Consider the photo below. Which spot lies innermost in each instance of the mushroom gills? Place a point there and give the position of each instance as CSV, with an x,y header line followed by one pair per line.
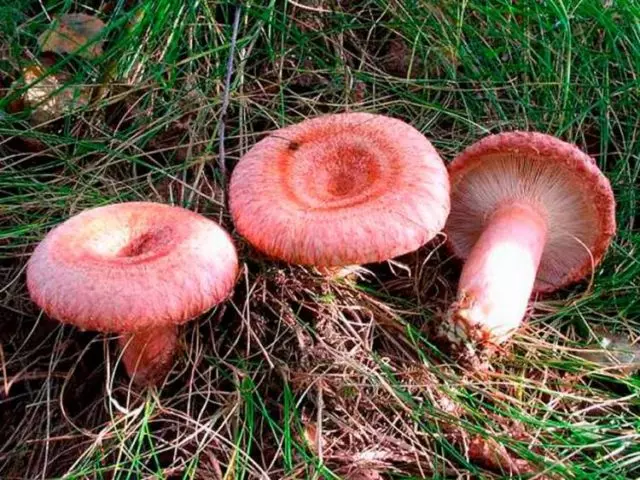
x,y
530,213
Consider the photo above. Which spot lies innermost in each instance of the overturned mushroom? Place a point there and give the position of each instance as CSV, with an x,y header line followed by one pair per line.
x,y
137,268
340,190
529,213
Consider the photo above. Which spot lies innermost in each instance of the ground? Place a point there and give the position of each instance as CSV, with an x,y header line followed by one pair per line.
x,y
297,376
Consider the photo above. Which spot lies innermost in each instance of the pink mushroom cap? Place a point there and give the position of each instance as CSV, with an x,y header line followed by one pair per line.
x,y
339,190
560,181
132,266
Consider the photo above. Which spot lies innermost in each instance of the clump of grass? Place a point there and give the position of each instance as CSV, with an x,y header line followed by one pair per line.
x,y
298,377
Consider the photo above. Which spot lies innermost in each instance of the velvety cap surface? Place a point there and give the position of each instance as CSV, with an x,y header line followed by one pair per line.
x,y
132,266
571,192
340,189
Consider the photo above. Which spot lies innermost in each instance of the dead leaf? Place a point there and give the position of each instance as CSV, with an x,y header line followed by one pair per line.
x,y
50,98
310,434
71,32
490,454
615,352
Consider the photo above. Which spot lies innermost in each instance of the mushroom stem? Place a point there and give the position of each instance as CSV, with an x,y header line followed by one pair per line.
x,y
148,354
498,277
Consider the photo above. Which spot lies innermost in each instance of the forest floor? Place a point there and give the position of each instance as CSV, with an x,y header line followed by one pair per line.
x,y
297,376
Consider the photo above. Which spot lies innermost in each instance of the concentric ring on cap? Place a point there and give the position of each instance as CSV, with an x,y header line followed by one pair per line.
x,y
340,189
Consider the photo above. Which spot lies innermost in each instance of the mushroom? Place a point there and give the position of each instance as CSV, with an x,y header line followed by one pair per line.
x,y
138,269
529,213
340,190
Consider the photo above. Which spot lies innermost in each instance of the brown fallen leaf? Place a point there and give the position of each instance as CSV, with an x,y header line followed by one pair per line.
x,y
310,435
488,453
49,98
69,33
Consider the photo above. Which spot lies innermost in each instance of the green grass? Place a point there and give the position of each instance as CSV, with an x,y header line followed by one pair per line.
x,y
292,355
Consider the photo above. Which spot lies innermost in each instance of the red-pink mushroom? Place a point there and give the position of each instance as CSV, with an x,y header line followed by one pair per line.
x,y
529,213
138,269
339,190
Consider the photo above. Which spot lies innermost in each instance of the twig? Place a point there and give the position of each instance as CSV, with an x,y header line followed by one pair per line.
x,y
309,8
227,88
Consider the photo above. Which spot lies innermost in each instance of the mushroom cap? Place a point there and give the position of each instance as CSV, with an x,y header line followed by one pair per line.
x,y
132,266
563,182
340,189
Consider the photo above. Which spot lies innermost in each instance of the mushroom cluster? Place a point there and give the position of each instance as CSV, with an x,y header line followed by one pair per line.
x,y
528,212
